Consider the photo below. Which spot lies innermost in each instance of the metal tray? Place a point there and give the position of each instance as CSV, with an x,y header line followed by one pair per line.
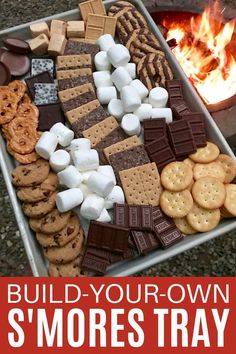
x,y
33,250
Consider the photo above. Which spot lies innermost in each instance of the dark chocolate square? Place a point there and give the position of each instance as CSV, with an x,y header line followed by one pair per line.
x,y
66,84
50,114
43,78
76,47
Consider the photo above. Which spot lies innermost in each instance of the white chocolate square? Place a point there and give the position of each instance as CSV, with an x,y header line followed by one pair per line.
x,y
58,27
57,44
39,28
39,45
75,29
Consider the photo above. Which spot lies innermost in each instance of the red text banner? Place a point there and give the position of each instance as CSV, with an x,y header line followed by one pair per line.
x,y
117,315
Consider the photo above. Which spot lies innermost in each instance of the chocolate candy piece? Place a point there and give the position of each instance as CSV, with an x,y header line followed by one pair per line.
x,y
145,241
43,78
66,84
108,237
135,217
165,229
180,109
50,114
175,90
197,125
16,45
123,160
76,47
160,152
18,64
115,136
95,261
45,94
40,65
78,101
5,75
94,117
181,138
172,43
154,129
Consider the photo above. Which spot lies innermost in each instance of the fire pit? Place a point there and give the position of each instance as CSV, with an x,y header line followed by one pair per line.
x,y
204,43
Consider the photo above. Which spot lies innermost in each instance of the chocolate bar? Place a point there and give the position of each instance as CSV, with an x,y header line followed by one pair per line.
x,y
50,114
78,101
95,261
145,241
181,138
175,90
165,229
197,125
108,237
134,217
133,157
154,129
66,84
94,117
180,109
77,47
160,152
115,136
43,78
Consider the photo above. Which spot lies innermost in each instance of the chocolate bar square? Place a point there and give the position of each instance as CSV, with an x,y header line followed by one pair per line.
x,y
50,114
43,78
154,129
181,138
160,152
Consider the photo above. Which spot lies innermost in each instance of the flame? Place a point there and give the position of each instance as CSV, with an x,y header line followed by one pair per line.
x,y
204,53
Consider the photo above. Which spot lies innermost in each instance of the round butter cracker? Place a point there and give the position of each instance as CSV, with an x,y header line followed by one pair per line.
x,y
206,154
176,176
176,204
209,192
203,220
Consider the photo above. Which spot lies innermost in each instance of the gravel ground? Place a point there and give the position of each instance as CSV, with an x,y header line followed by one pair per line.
x,y
214,258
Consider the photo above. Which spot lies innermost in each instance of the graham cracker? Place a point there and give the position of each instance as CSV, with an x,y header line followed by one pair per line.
x,y
100,130
70,94
67,74
97,25
82,111
121,146
74,61
141,184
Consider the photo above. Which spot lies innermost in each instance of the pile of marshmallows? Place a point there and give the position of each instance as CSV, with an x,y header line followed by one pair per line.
x,y
135,102
77,167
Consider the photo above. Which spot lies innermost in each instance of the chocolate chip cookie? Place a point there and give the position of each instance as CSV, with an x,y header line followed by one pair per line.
x,y
71,269
51,223
67,253
62,237
30,175
41,208
36,193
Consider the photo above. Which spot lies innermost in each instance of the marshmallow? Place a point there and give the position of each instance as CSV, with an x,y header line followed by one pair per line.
x,y
92,207
102,79
158,97
104,216
106,94
108,171
105,42
69,199
59,160
130,98
121,78
80,144
86,175
101,61
163,113
85,160
146,100
144,111
131,68
84,189
70,177
140,87
100,184
46,145
118,55
116,109
116,196
64,134
131,124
